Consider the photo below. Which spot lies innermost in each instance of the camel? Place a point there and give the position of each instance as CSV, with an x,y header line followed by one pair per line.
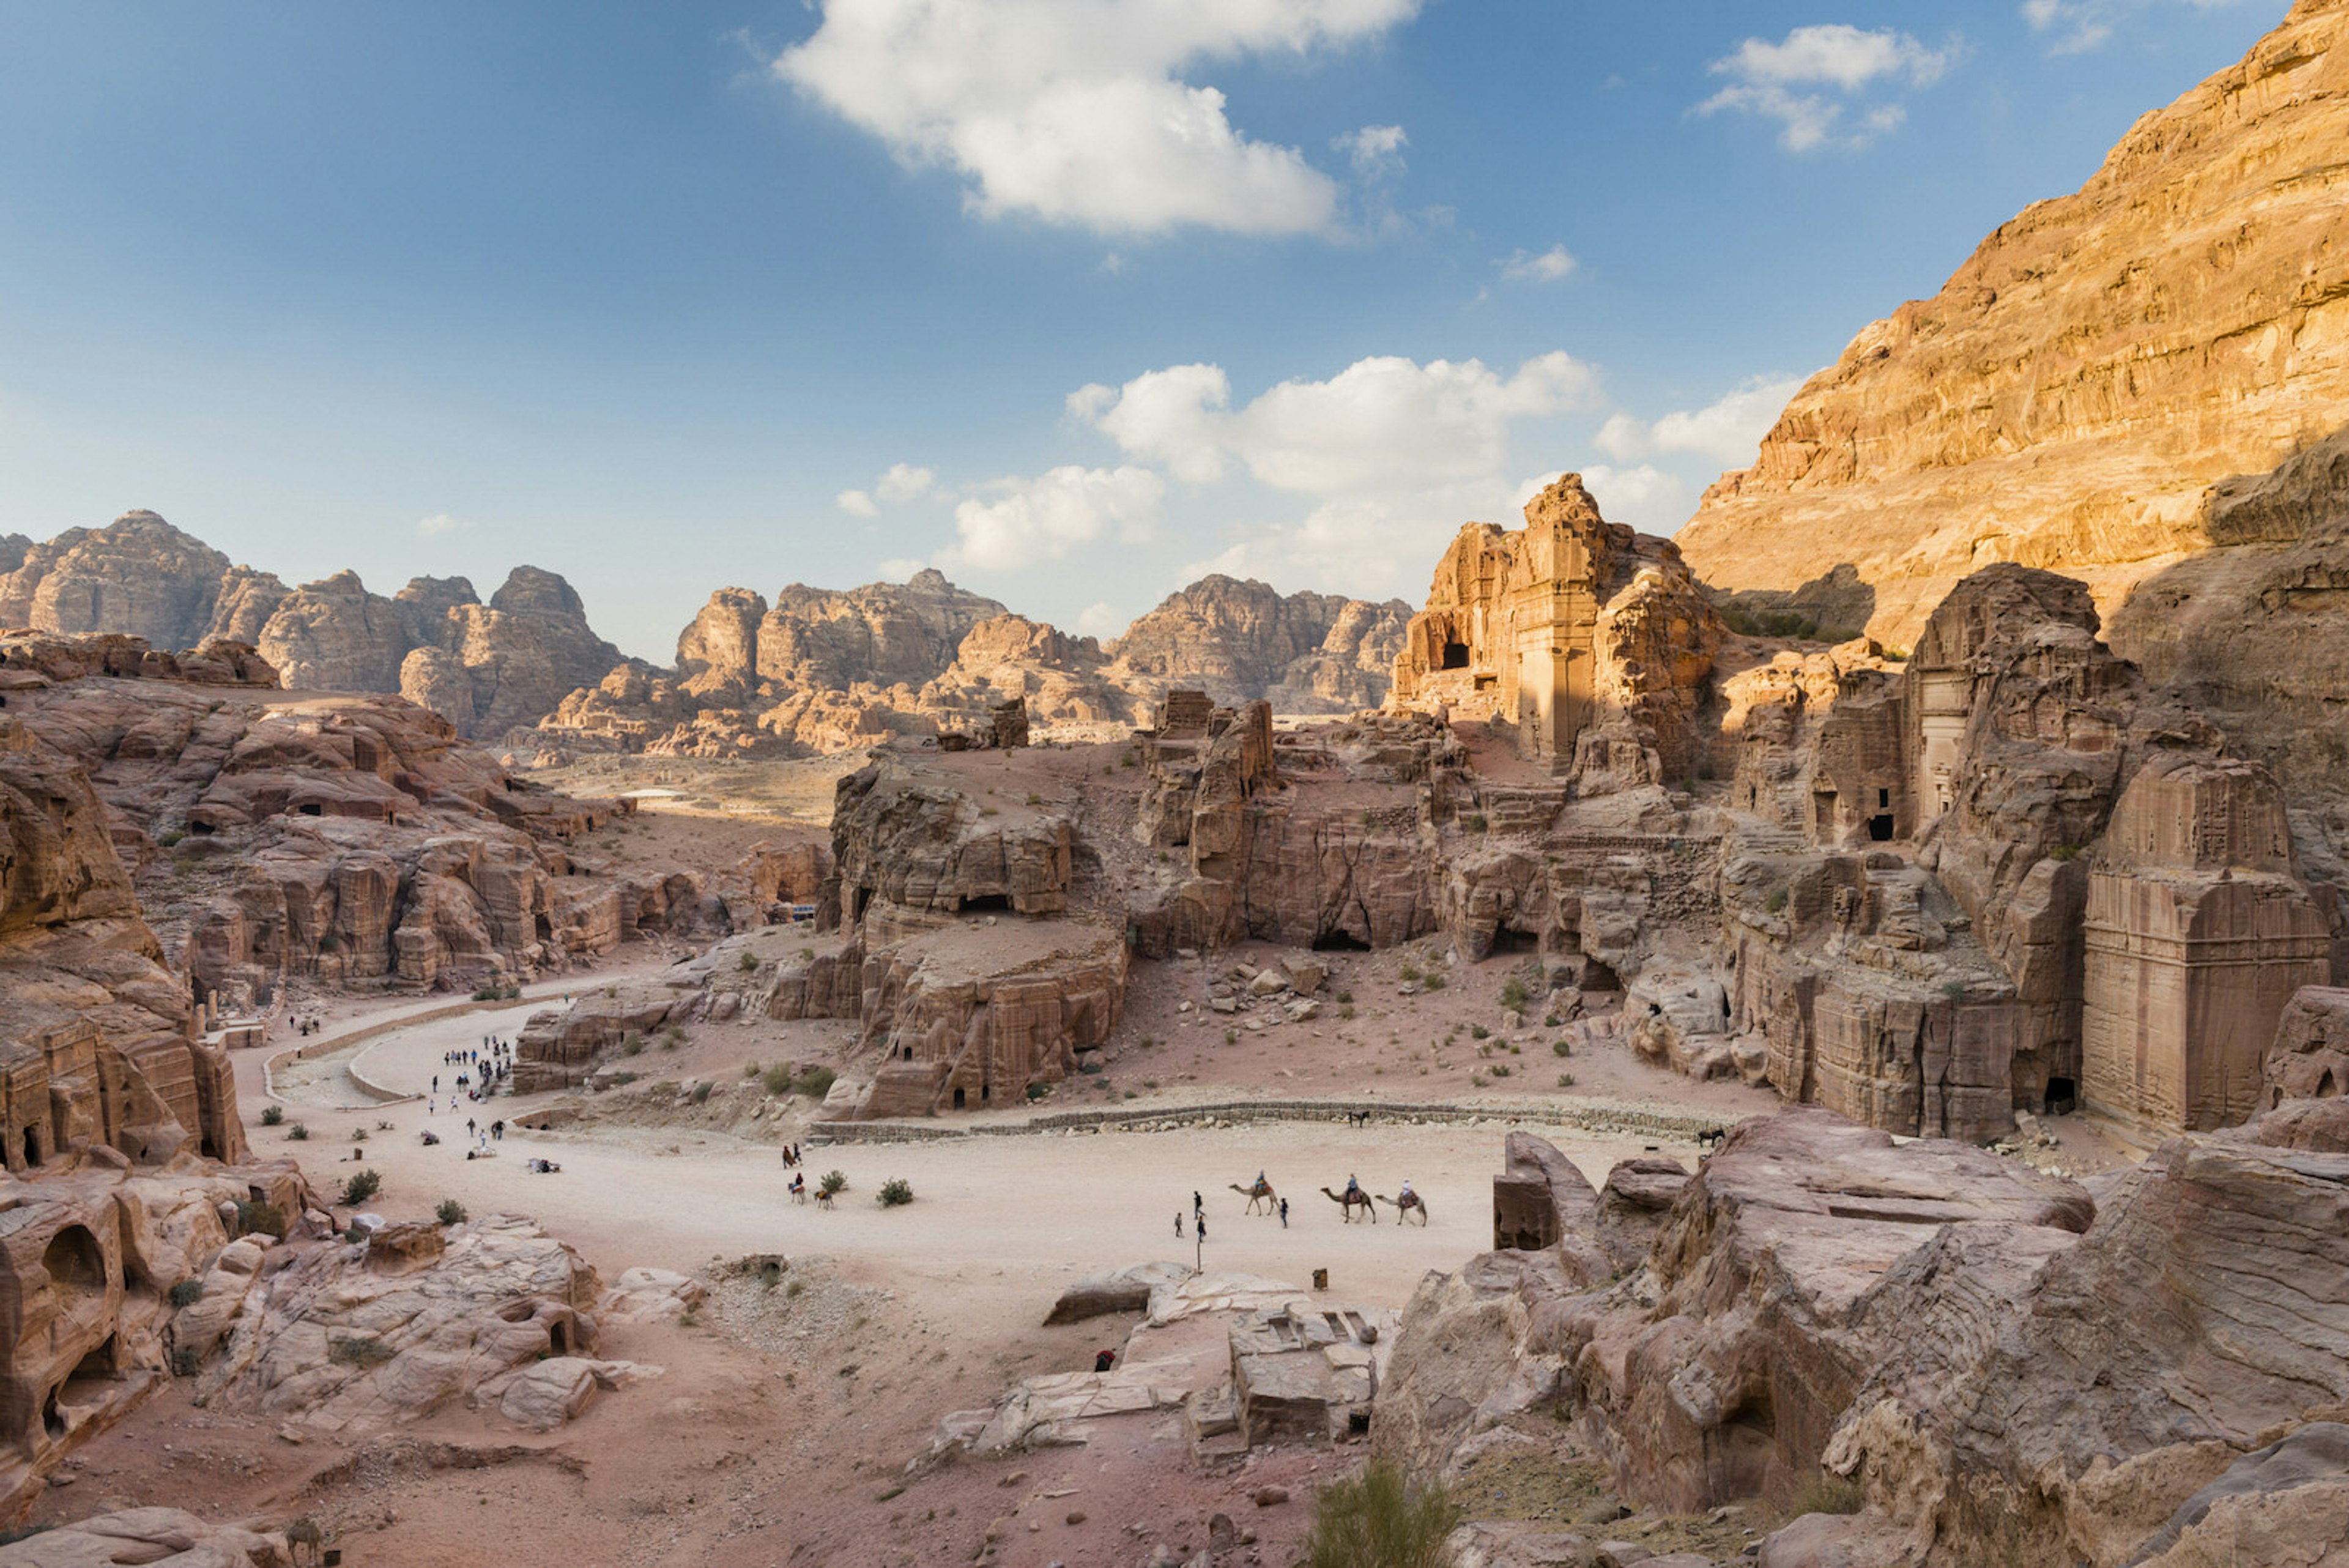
x,y
305,1539
1349,1201
1404,1205
1260,1193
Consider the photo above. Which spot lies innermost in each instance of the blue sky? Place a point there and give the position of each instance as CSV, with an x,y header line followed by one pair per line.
x,y
1072,298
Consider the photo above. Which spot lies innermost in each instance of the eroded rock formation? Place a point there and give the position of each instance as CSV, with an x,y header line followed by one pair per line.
x,y
486,668
1591,640
2074,390
2014,1372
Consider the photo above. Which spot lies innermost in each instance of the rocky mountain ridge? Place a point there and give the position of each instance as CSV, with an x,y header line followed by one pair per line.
x,y
2087,393
816,669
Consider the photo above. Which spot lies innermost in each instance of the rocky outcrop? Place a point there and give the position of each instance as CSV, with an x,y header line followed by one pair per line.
x,y
357,839
1241,640
353,1339
139,576
486,668
1592,642
2308,1057
2014,1374
822,671
2073,392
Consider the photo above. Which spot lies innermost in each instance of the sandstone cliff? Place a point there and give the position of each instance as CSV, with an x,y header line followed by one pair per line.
x,y
822,671
486,668
2074,392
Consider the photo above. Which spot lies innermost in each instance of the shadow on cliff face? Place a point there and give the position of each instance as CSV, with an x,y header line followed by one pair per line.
x,y
1834,607
2255,631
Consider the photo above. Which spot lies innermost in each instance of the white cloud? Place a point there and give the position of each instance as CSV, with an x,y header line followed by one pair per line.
x,y
1394,455
904,481
440,522
1808,81
1040,519
1553,266
1646,497
1375,150
2082,25
1098,620
1381,424
898,568
856,504
1727,430
1075,111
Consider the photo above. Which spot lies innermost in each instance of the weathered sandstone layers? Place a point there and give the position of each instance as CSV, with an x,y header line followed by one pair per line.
x,y
1593,641
2073,393
822,671
485,667
352,839
2015,1372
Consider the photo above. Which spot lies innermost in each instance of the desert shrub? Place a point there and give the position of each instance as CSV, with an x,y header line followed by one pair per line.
x,y
777,1079
259,1219
1034,799
672,1037
450,1212
1775,901
513,993
1563,1048
895,1192
816,1082
750,1069
1550,1020
1037,1091
1830,1493
1410,972
363,1184
701,1093
1474,822
1345,998
747,962
272,1114
1955,989
358,1134
1231,1036
1478,1032
299,1132
1512,994
1346,1010
1089,1066
1566,1080
170,836
330,943
185,1363
485,993
2067,852
834,1183
1436,981
1381,1519
1500,1069
361,1350
186,1294
630,1045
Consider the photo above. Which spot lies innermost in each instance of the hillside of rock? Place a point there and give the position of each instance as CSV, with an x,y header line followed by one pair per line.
x,y
822,671
485,667
2084,393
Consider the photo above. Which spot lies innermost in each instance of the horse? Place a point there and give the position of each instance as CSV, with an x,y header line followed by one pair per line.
x,y
1712,1135
1261,1192
822,1197
1360,1118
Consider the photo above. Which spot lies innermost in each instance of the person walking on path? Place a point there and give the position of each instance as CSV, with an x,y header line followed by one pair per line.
x,y
1283,1213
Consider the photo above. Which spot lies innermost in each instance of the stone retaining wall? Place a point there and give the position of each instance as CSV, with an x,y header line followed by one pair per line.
x,y
1597,1117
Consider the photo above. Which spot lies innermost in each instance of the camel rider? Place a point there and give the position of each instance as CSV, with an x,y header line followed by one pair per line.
x,y
1406,1191
1261,1182
1353,1187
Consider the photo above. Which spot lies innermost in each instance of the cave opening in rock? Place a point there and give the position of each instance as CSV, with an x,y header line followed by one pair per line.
x,y
53,1421
1339,942
2062,1093
1455,655
986,903
74,1264
31,1149
960,1100
312,808
557,1339
1879,827
1597,976
97,1366
1512,939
